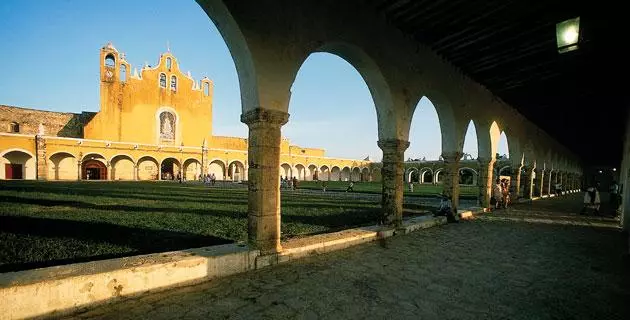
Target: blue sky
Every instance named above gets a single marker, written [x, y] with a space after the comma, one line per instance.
[51, 52]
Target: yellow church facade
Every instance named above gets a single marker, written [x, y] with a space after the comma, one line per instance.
[155, 124]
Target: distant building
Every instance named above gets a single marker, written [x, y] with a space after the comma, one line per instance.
[153, 124]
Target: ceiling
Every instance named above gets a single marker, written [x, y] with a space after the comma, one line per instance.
[509, 46]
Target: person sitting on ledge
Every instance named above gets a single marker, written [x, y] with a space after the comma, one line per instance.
[446, 209]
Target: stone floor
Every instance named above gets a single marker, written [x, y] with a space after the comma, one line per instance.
[486, 268]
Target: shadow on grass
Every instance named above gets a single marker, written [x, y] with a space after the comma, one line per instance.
[139, 240]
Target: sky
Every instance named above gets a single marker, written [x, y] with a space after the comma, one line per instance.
[51, 50]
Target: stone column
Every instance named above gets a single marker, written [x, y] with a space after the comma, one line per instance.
[40, 158]
[528, 193]
[540, 177]
[485, 180]
[109, 171]
[548, 184]
[515, 181]
[561, 180]
[450, 186]
[135, 172]
[79, 166]
[263, 209]
[392, 179]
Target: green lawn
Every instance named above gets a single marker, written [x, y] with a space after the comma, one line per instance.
[50, 223]
[375, 187]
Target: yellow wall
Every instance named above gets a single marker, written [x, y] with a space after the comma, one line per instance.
[129, 109]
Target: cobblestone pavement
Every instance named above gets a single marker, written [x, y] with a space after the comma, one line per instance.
[478, 269]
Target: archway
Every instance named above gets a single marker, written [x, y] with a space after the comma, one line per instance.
[503, 150]
[471, 148]
[426, 128]
[347, 97]
[365, 175]
[148, 168]
[123, 168]
[236, 171]
[313, 173]
[412, 175]
[217, 168]
[467, 176]
[356, 174]
[169, 169]
[17, 164]
[324, 173]
[63, 166]
[345, 174]
[285, 171]
[300, 172]
[192, 169]
[438, 177]
[93, 167]
[427, 176]
[335, 174]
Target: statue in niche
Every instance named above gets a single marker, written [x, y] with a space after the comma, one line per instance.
[167, 126]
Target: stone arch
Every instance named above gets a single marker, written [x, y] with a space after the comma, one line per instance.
[217, 167]
[503, 140]
[344, 175]
[169, 168]
[236, 171]
[375, 81]
[412, 175]
[17, 164]
[300, 171]
[123, 167]
[446, 116]
[471, 127]
[313, 173]
[324, 173]
[505, 171]
[239, 49]
[286, 171]
[438, 176]
[63, 166]
[425, 116]
[426, 176]
[94, 166]
[192, 169]
[355, 174]
[365, 174]
[467, 176]
[148, 168]
[335, 174]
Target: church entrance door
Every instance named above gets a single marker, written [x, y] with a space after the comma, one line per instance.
[94, 170]
[13, 171]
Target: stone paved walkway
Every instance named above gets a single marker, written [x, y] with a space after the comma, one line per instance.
[479, 269]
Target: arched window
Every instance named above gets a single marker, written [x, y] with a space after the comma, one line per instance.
[162, 80]
[110, 61]
[173, 83]
[123, 72]
[14, 127]
[206, 89]
[168, 63]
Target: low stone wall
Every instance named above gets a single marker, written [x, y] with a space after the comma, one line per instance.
[67, 289]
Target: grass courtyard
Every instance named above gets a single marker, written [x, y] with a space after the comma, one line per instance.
[51, 223]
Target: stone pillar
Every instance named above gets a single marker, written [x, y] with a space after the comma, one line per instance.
[450, 186]
[109, 171]
[540, 178]
[528, 193]
[485, 180]
[515, 181]
[263, 209]
[392, 179]
[548, 183]
[80, 166]
[40, 158]
[204, 160]
[135, 172]
[561, 180]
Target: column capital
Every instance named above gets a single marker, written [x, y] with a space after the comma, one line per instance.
[393, 144]
[452, 155]
[260, 115]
